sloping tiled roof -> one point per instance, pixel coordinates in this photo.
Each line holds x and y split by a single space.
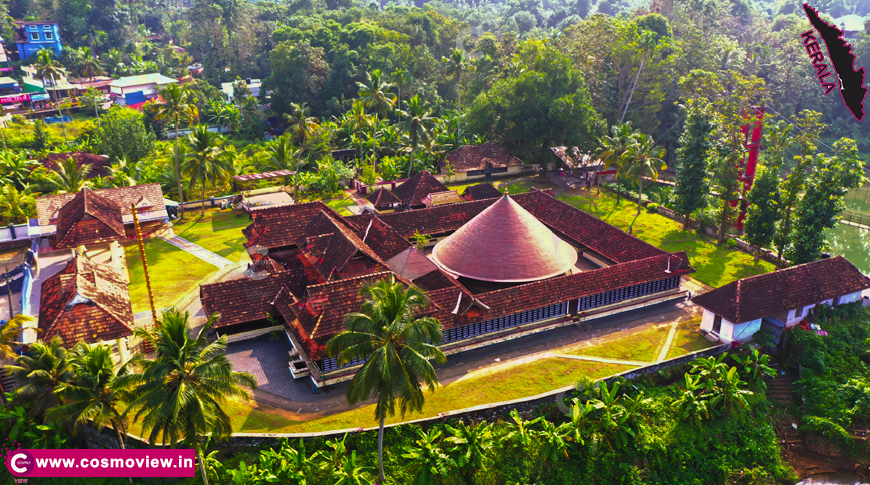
413 190
123 196
247 299
787 289
88 219
505 243
564 288
275 227
574 158
99 163
476 157
100 308
480 192
382 197
440 198
384 240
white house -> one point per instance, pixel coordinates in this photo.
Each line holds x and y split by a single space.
253 85
782 298
132 90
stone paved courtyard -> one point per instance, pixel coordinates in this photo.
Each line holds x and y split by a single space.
267 361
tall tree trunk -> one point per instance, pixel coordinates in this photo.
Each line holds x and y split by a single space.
201 466
413 149
57 103
296 178
381 449
459 122
374 141
202 204
631 93
723 219
117 427
686 222
96 111
178 175
639 194
787 227
757 254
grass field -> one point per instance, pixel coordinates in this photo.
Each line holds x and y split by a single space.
173 273
715 265
688 340
643 346
219 231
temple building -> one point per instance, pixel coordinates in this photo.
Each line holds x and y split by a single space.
493 270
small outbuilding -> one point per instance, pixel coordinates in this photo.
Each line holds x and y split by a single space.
384 201
780 299
415 189
481 161
480 192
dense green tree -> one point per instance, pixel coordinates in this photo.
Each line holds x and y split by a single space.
177 105
10 335
762 210
203 161
283 155
544 105
68 177
822 203
396 346
40 373
641 159
95 395
122 135
691 189
181 391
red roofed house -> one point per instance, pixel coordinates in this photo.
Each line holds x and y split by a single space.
99 163
86 301
97 216
502 268
384 201
471 162
782 299
415 189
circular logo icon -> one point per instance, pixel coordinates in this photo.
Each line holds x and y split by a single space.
20 463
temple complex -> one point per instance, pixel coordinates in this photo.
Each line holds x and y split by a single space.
493 269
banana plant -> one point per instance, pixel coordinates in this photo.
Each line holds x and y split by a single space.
755 368
428 460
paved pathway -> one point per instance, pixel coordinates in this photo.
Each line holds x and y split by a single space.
664 353
198 251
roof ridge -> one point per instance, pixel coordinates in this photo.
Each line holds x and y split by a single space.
369 275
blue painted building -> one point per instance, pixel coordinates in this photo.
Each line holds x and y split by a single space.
31 36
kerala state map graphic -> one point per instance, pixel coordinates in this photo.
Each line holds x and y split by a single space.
840 52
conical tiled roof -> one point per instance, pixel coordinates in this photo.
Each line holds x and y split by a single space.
507 244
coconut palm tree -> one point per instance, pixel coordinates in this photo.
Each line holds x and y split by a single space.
177 104
375 96
400 79
302 126
642 158
47 68
454 66
42 372
123 173
16 205
90 68
611 149
416 123
10 335
283 155
397 347
68 178
113 60
203 161
96 393
181 391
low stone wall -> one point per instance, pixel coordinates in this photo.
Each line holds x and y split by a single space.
486 412
712 231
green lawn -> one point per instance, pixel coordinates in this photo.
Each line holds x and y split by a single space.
340 205
511 383
688 340
643 346
524 186
481 388
218 231
173 273
715 265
